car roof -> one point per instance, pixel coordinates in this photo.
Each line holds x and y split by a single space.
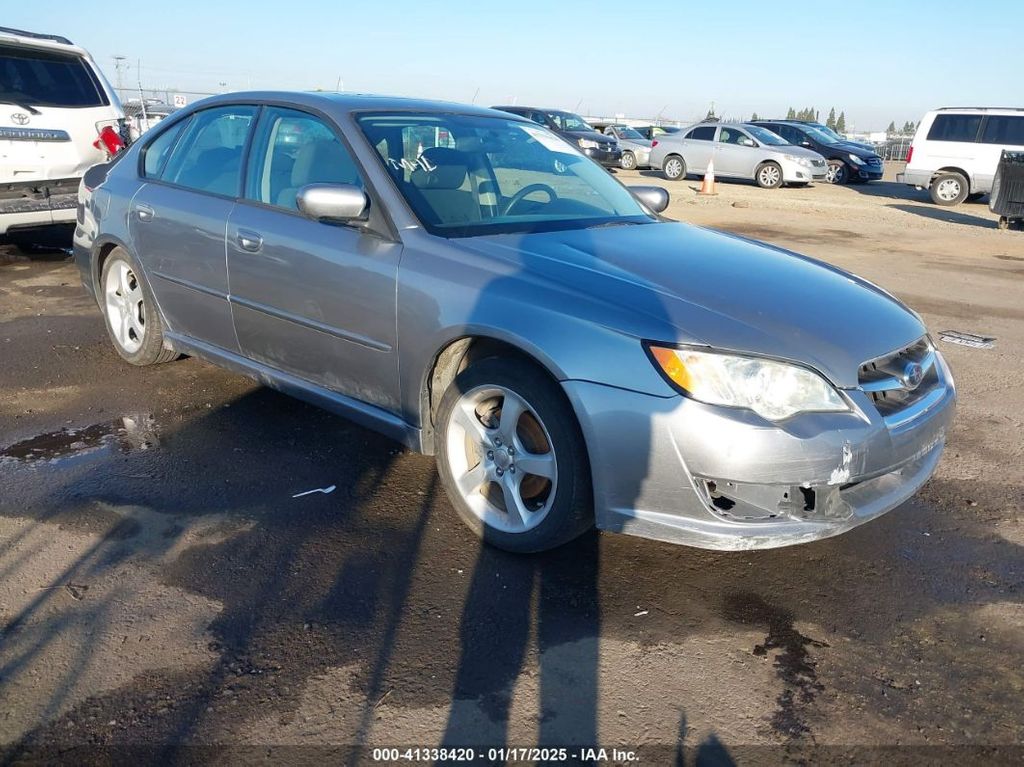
348 102
9 35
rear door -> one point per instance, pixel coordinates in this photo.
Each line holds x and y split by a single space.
697 148
178 219
312 299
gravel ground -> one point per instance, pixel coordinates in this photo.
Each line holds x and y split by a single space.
161 589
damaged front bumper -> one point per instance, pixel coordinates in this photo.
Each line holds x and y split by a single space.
678 470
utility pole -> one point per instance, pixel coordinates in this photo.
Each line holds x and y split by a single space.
118 68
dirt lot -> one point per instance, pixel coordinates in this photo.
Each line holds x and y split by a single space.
159 586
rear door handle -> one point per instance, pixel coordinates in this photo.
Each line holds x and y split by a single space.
249 241
144 212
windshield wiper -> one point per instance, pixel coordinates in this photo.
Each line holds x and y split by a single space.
27 107
614 223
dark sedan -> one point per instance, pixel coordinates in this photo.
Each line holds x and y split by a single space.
575 129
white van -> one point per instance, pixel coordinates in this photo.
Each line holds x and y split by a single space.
956 151
58 117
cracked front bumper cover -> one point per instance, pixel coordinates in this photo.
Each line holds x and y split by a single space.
677 470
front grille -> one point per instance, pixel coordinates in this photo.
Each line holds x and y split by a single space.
818 163
889 380
874 161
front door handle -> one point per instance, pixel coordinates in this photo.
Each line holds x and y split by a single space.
144 212
249 241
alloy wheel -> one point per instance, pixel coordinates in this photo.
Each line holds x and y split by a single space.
502 459
124 306
769 175
674 168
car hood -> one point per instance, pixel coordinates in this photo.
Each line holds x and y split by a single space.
798 151
858 149
674 282
592 135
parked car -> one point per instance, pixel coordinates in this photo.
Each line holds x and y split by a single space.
575 129
143 114
636 150
833 133
568 355
743 151
847 160
652 132
956 150
58 116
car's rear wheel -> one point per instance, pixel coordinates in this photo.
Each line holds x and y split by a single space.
628 161
129 312
674 167
950 188
512 458
837 172
769 175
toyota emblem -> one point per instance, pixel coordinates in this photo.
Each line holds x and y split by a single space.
913 373
19 118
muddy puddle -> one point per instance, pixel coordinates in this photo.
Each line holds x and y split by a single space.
127 434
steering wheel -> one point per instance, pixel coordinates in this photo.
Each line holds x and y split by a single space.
523 193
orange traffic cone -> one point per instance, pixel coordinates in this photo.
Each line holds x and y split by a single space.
707 186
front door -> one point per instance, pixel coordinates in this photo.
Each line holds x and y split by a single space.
177 220
309 298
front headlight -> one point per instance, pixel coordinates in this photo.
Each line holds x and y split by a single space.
773 390
586 143
856 159
798 159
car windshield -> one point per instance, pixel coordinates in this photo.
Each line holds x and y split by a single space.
765 136
819 135
629 133
466 175
36 77
569 121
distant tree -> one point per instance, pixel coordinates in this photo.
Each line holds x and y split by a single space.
841 123
830 121
817 116
908 128
791 114
754 117
891 130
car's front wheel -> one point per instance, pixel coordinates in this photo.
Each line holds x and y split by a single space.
130 312
769 176
628 161
837 172
512 458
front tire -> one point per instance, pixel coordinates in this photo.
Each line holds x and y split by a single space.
628 161
769 175
511 457
950 188
674 167
129 312
837 172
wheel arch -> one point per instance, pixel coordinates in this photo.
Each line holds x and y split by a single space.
458 353
953 169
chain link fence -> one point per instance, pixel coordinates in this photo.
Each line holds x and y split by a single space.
894 148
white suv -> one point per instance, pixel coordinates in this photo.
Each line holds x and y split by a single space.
956 151
58 117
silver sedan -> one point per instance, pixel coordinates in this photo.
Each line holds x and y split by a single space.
470 284
636 150
740 151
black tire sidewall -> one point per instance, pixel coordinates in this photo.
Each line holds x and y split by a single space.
572 511
757 175
682 164
959 178
841 169
152 348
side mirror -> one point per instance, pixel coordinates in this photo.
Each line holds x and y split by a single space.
334 203
748 142
805 143
653 197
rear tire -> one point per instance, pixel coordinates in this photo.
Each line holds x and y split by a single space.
674 167
507 436
949 188
769 175
129 312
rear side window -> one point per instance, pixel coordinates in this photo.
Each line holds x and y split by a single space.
208 156
703 133
158 150
38 77
955 128
1004 129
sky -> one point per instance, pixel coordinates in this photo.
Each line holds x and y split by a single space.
876 61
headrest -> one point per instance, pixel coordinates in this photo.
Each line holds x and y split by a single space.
440 168
324 161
